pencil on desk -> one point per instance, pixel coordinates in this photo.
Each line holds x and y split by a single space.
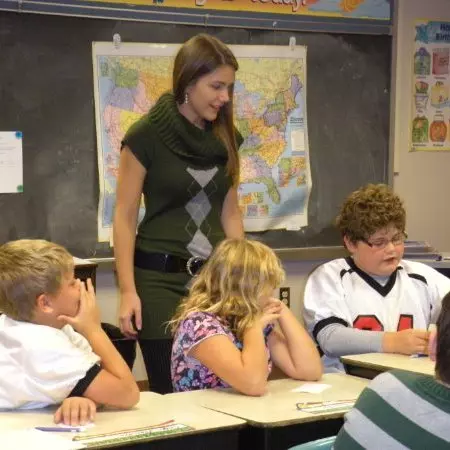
61 429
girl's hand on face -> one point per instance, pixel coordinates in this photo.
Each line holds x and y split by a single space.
273 302
271 311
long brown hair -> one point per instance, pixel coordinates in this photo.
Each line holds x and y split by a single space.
230 284
199 56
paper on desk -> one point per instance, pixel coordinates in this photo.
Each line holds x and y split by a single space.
312 388
28 438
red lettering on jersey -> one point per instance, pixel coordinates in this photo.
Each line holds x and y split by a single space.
370 323
405 322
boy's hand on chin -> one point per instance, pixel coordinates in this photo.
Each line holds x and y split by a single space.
88 316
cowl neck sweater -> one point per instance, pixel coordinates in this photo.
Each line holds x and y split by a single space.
198 146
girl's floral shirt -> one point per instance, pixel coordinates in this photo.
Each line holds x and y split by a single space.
189 374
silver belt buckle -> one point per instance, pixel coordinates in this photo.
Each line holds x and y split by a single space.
194 264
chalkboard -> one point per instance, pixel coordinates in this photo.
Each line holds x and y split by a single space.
46 86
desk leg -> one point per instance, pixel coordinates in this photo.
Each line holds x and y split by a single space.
216 440
267 444
362 372
254 438
282 438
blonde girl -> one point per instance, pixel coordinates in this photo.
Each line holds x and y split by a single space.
229 329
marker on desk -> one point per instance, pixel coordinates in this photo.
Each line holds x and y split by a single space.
431 330
60 429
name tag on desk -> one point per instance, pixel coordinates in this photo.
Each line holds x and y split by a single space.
137 435
325 407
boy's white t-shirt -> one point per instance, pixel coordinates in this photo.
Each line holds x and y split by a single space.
41 365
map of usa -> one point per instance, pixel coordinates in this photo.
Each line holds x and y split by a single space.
270 113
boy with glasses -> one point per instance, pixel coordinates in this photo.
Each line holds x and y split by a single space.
372 301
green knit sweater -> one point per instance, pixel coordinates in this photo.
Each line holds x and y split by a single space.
399 410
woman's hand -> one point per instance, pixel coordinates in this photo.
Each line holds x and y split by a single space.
130 307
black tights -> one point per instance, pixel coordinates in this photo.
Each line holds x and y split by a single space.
156 353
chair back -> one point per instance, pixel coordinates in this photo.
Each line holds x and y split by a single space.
320 444
125 346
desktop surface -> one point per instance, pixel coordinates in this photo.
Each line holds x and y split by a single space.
277 407
152 409
369 365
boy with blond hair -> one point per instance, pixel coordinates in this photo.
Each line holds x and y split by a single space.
52 346
373 300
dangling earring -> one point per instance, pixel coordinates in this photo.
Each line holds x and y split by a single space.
186 98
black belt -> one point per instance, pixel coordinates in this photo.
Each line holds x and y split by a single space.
162 262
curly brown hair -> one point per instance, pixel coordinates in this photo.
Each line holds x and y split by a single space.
369 209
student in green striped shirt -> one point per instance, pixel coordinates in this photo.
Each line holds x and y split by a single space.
405 410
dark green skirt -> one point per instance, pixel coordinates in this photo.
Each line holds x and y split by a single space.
160 294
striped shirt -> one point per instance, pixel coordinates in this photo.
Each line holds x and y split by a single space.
399 410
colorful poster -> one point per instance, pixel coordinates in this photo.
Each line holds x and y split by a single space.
430 123
360 9
270 113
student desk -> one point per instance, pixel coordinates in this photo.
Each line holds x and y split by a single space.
273 420
211 429
370 365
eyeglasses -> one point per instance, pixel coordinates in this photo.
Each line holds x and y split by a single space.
381 243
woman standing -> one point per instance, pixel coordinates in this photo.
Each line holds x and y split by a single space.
183 157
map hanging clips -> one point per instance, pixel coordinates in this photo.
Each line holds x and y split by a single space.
117 41
292 43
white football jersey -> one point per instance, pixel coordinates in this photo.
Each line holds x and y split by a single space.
338 292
